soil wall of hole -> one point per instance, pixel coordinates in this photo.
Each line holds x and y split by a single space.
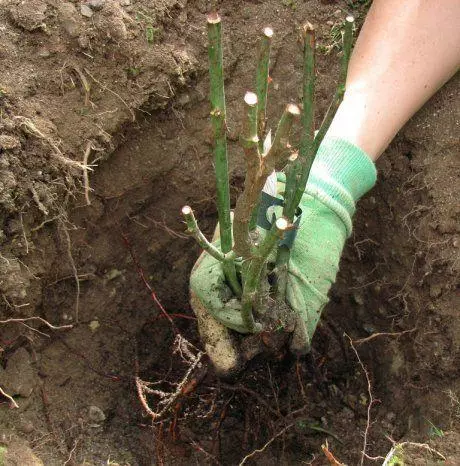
399 272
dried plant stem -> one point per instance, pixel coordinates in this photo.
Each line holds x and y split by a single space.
256 265
257 171
246 202
262 83
218 117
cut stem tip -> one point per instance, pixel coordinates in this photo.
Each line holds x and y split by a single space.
186 210
268 32
350 19
282 224
308 28
250 98
213 18
293 109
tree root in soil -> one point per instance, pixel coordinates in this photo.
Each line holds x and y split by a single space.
166 399
9 397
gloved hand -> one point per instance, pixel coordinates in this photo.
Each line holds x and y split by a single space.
340 175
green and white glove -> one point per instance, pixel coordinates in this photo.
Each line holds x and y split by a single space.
341 174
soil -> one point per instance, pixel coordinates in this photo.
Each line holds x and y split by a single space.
125 83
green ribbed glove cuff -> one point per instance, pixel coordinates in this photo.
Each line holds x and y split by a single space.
340 175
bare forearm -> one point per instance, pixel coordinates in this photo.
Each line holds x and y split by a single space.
405 52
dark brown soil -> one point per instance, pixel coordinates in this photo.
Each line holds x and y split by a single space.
144 114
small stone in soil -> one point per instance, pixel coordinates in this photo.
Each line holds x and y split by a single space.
96 5
96 414
435 291
19 377
86 11
26 426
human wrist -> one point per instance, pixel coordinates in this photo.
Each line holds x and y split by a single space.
340 175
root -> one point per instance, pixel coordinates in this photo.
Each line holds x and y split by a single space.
74 269
39 203
260 450
43 321
333 461
85 172
383 334
24 233
71 453
422 446
12 401
58 154
185 386
133 116
372 401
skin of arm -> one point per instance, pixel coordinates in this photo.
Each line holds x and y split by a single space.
405 52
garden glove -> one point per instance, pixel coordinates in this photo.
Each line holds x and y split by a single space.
340 175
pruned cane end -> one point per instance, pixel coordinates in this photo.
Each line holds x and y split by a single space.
213 18
250 98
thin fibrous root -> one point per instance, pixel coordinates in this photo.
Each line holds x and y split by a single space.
371 403
39 319
168 398
9 397
118 96
267 444
58 154
86 186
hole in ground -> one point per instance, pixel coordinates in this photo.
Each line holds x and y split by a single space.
138 194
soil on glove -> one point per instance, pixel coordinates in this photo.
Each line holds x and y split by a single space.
104 136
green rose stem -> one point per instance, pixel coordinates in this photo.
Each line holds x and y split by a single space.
262 83
300 168
339 93
255 268
297 169
218 119
194 230
262 76
295 191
